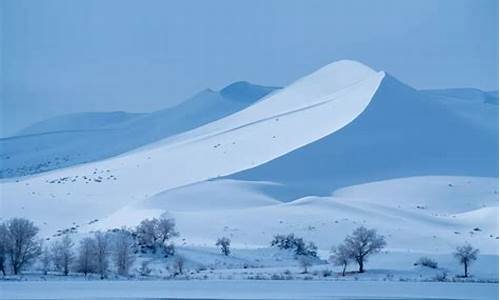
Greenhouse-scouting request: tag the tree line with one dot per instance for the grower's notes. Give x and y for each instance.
(20, 247)
(357, 247)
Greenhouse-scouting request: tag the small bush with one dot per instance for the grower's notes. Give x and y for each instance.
(441, 277)
(144, 270)
(326, 273)
(277, 277)
(426, 262)
(298, 245)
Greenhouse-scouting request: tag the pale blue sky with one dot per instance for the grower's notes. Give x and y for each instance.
(69, 56)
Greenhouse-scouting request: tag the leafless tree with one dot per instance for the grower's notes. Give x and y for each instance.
(86, 259)
(146, 233)
(341, 256)
(46, 259)
(62, 253)
(166, 230)
(123, 251)
(305, 262)
(102, 253)
(145, 270)
(466, 255)
(22, 244)
(155, 233)
(362, 243)
(298, 245)
(178, 265)
(224, 244)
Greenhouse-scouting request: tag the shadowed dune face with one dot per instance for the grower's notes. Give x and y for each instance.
(401, 133)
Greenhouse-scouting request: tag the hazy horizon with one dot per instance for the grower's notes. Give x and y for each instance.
(64, 57)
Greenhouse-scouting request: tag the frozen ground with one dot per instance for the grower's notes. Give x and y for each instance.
(245, 290)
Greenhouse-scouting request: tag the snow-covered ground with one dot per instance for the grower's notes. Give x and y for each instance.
(254, 289)
(342, 147)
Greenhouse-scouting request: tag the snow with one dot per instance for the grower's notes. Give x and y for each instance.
(81, 138)
(253, 136)
(255, 289)
(402, 133)
(342, 147)
(79, 121)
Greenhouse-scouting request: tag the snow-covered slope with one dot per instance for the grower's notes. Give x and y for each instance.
(340, 126)
(474, 106)
(401, 133)
(418, 214)
(79, 138)
(307, 110)
(79, 121)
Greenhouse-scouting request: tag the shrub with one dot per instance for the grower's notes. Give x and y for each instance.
(426, 262)
(290, 242)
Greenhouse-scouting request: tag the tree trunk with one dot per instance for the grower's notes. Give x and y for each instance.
(361, 269)
(343, 270)
(465, 270)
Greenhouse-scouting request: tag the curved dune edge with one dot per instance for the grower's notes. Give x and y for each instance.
(308, 110)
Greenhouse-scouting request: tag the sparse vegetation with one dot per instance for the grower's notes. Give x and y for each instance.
(426, 262)
(102, 248)
(124, 248)
(223, 243)
(361, 244)
(62, 254)
(341, 256)
(466, 255)
(144, 270)
(305, 263)
(178, 265)
(85, 260)
(21, 244)
(296, 244)
(114, 252)
(155, 233)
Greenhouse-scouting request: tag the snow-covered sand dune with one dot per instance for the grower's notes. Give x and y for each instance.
(85, 137)
(418, 214)
(344, 125)
(401, 133)
(307, 110)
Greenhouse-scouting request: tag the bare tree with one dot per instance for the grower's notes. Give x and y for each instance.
(224, 244)
(298, 245)
(85, 261)
(362, 243)
(154, 234)
(341, 256)
(123, 251)
(46, 260)
(102, 253)
(178, 265)
(145, 270)
(466, 255)
(3, 247)
(166, 230)
(22, 245)
(146, 233)
(62, 253)
(305, 261)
